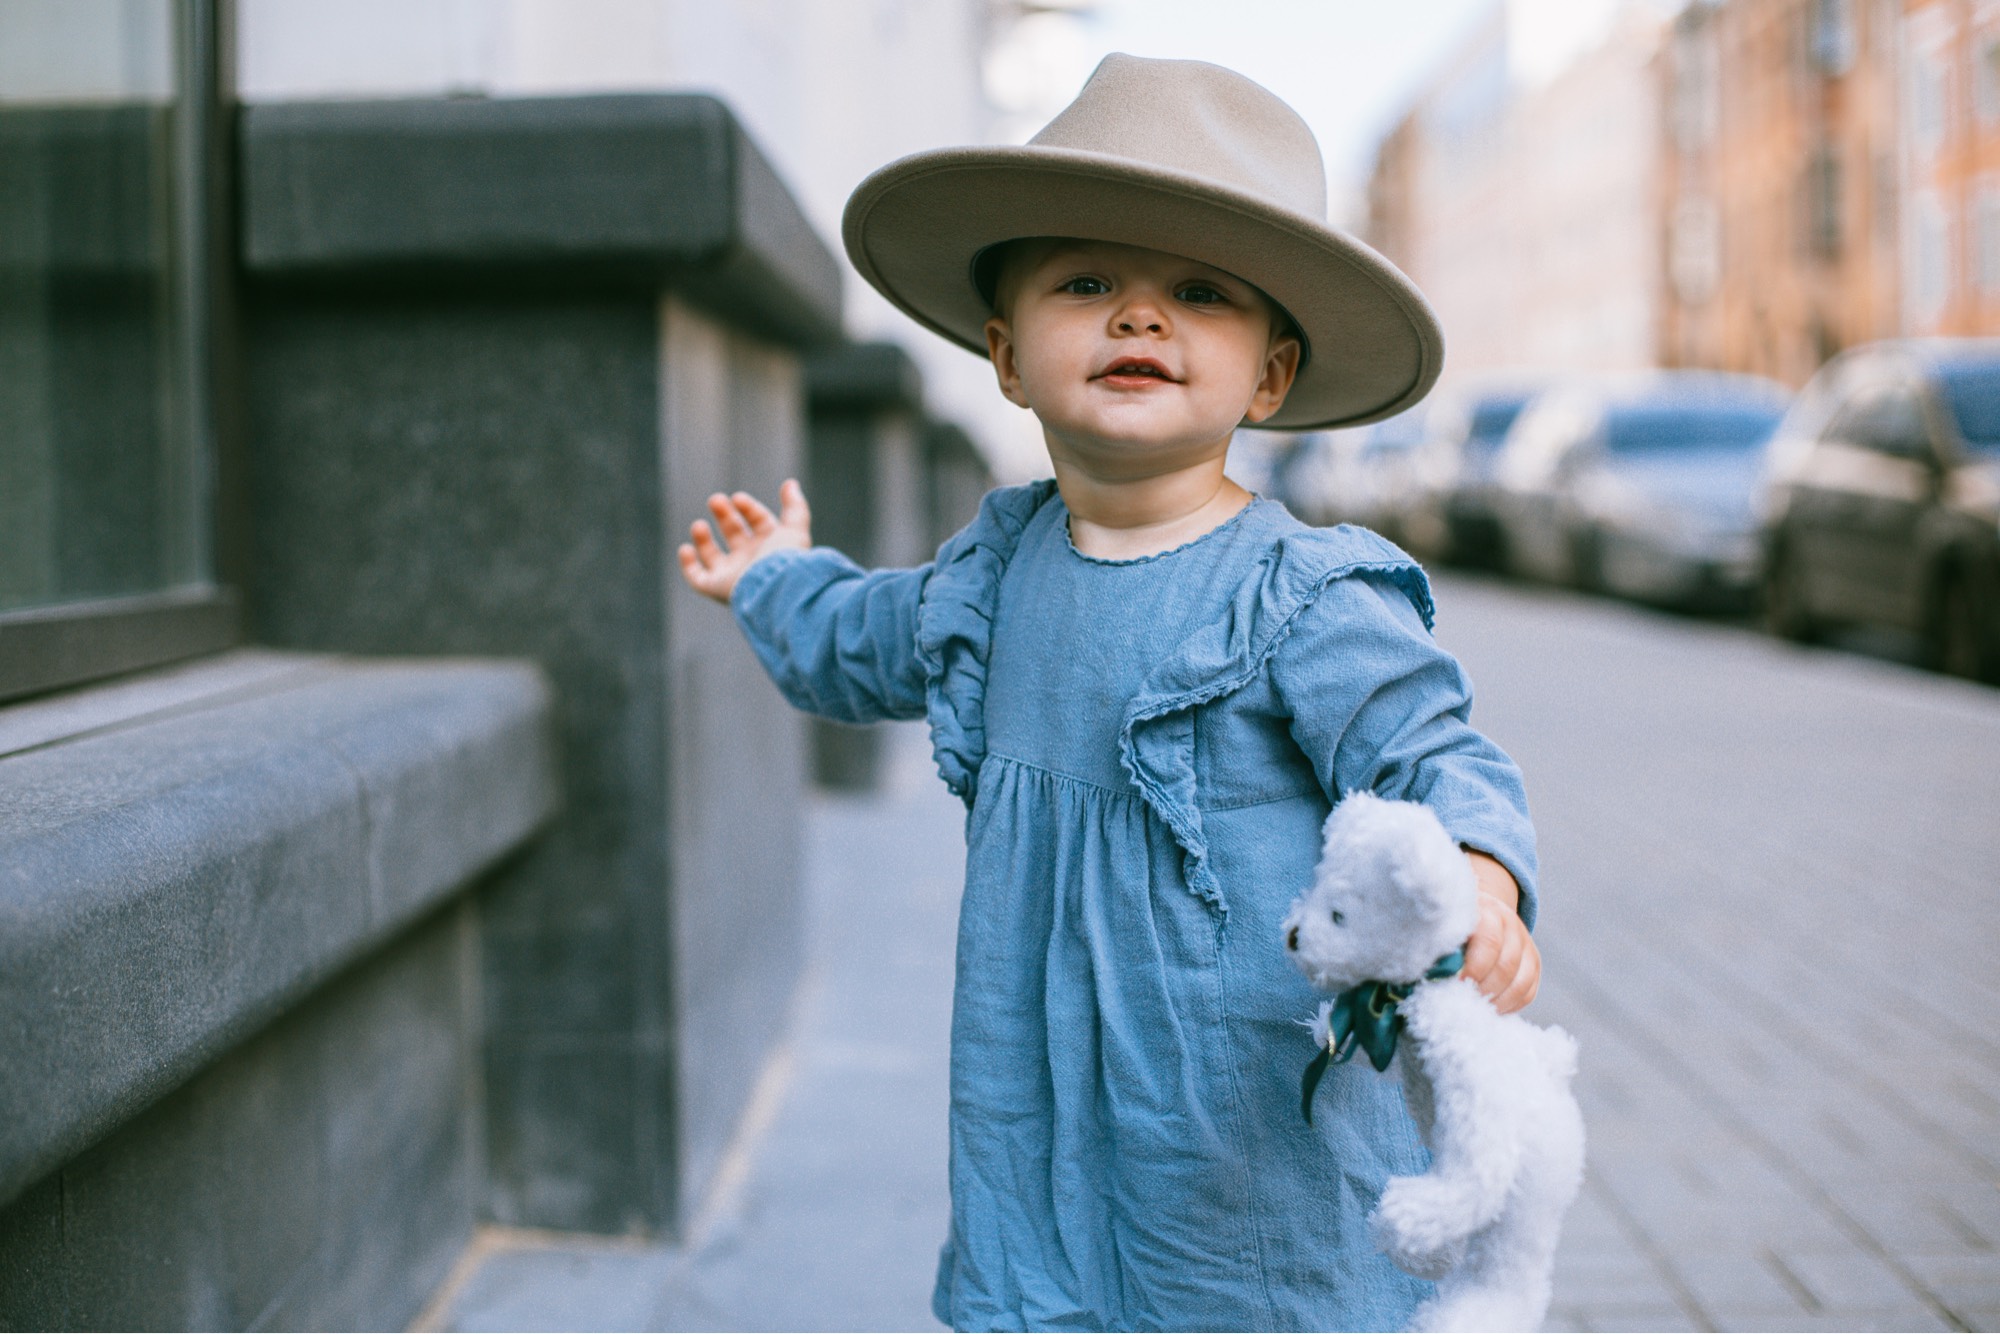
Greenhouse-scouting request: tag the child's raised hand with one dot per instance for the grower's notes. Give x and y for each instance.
(744, 532)
(1501, 957)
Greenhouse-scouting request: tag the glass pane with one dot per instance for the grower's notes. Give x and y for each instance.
(1641, 430)
(98, 469)
(1972, 391)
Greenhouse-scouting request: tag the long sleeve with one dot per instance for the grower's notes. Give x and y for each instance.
(837, 640)
(1376, 705)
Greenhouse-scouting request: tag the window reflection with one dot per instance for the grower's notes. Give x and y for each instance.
(98, 463)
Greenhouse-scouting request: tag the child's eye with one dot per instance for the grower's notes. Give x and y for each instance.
(1339, 917)
(1201, 294)
(1086, 286)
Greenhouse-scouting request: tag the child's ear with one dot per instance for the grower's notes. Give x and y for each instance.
(1281, 367)
(1000, 347)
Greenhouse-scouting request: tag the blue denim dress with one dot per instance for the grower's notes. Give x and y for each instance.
(1147, 750)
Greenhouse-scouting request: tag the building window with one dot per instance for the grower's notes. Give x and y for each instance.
(1823, 186)
(1928, 261)
(105, 448)
(1695, 250)
(1986, 235)
(1833, 36)
(1697, 85)
(1986, 76)
(1927, 87)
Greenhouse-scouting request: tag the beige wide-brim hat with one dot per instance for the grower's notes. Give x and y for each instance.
(1174, 155)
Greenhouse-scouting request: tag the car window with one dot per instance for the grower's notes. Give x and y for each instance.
(1492, 416)
(1972, 396)
(1650, 428)
(1888, 419)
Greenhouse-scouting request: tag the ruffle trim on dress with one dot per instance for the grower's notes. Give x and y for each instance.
(955, 629)
(1156, 744)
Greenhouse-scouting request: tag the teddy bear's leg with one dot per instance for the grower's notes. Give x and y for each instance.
(1475, 1147)
(1503, 1281)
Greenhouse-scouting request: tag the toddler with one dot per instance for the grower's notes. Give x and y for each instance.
(1149, 685)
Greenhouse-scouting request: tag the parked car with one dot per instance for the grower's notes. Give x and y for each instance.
(1882, 504)
(1358, 475)
(1446, 497)
(1641, 485)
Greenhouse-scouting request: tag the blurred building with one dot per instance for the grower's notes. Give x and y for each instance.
(1779, 188)
(1950, 153)
(1527, 211)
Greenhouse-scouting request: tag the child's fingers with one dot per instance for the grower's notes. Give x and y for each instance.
(793, 511)
(762, 521)
(1482, 951)
(706, 549)
(1507, 961)
(707, 582)
(1527, 982)
(728, 519)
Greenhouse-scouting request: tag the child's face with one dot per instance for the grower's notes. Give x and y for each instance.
(1135, 360)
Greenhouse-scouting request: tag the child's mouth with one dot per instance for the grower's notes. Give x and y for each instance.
(1136, 371)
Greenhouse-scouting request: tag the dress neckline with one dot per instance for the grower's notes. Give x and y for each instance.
(1228, 523)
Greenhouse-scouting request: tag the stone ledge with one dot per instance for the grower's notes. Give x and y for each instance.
(169, 885)
(873, 377)
(661, 188)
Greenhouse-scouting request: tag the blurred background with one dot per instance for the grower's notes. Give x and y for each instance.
(416, 908)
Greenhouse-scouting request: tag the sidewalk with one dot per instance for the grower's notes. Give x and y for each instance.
(1771, 921)
(833, 1201)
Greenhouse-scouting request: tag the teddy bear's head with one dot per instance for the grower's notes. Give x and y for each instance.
(1391, 896)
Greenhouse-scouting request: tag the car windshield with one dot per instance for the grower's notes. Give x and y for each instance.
(1658, 428)
(1972, 392)
(1490, 419)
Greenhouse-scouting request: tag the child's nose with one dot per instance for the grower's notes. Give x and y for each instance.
(1142, 314)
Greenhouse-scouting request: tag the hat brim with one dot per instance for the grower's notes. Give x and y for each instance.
(914, 228)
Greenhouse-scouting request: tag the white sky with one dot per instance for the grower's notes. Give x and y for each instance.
(1350, 67)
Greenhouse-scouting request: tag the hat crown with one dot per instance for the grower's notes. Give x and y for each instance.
(1199, 119)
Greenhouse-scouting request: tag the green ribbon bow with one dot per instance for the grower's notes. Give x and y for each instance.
(1365, 1017)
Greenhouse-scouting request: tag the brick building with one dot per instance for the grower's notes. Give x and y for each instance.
(1779, 183)
(1950, 179)
(1527, 211)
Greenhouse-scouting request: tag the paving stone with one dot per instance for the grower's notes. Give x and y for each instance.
(1962, 1281)
(1735, 1317)
(1610, 1317)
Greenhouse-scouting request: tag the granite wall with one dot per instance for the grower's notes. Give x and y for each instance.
(498, 353)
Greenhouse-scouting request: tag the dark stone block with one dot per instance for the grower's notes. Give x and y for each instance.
(958, 480)
(646, 191)
(167, 887)
(321, 1175)
(568, 1142)
(34, 1288)
(497, 354)
(871, 377)
(200, 1213)
(397, 1208)
(563, 978)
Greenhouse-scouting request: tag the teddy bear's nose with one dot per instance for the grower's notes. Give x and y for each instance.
(1292, 939)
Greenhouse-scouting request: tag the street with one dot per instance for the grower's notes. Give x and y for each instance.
(1768, 915)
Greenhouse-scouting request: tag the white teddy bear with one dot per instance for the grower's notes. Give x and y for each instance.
(1393, 900)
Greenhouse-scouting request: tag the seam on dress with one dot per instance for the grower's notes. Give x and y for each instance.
(1228, 523)
(1124, 793)
(1254, 802)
